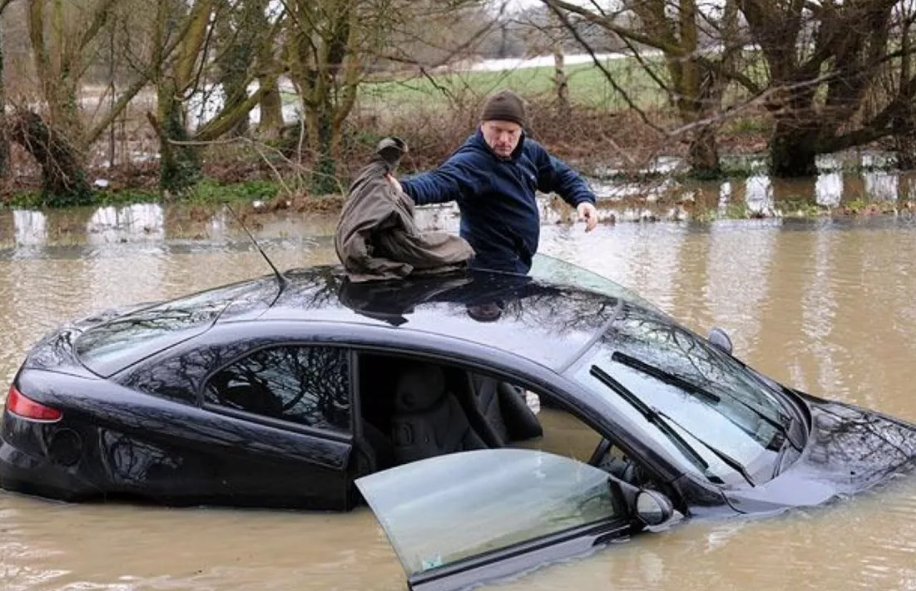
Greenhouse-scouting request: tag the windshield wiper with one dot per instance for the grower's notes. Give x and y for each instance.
(663, 376)
(673, 380)
(664, 422)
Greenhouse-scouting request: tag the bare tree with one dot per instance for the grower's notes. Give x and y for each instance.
(325, 65)
(175, 81)
(695, 77)
(332, 46)
(242, 44)
(189, 31)
(61, 34)
(823, 59)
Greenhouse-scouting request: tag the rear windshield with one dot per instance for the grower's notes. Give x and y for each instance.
(110, 347)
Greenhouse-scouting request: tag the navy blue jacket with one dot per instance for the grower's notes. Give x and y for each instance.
(500, 217)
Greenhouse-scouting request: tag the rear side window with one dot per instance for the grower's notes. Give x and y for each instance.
(306, 385)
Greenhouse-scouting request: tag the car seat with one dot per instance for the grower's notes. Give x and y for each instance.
(498, 410)
(428, 420)
(483, 409)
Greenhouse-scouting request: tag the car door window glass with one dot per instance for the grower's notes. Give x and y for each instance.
(307, 385)
(442, 510)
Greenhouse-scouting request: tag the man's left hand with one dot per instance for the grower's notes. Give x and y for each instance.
(589, 215)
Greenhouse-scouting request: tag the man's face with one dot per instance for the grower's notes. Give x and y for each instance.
(502, 136)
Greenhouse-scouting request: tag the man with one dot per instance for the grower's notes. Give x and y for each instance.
(493, 178)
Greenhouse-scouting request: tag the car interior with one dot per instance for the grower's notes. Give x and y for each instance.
(412, 410)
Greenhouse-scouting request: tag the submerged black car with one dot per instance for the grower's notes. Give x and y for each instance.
(492, 421)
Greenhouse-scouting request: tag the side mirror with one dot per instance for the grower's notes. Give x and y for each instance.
(719, 338)
(653, 508)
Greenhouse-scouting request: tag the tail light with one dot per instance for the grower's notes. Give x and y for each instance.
(25, 408)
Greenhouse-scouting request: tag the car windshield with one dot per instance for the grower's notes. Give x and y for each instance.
(713, 403)
(553, 270)
(112, 346)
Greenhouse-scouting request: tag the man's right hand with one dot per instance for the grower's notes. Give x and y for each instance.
(394, 181)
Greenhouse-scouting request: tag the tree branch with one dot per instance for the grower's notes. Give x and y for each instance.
(610, 78)
(606, 23)
(98, 21)
(160, 57)
(230, 116)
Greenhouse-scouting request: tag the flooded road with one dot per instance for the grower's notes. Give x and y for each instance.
(825, 305)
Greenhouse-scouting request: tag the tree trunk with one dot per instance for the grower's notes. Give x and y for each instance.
(703, 154)
(324, 176)
(235, 98)
(4, 131)
(63, 178)
(905, 142)
(703, 150)
(903, 125)
(561, 81)
(57, 67)
(271, 110)
(179, 165)
(233, 65)
(793, 149)
(503, 41)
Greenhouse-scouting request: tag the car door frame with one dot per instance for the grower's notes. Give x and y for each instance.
(554, 390)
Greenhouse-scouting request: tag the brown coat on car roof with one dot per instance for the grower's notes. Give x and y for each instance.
(377, 236)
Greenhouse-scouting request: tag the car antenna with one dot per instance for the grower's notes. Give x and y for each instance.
(283, 281)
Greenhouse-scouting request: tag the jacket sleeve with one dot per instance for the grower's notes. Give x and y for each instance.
(456, 179)
(555, 176)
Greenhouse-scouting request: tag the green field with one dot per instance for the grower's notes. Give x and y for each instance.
(588, 86)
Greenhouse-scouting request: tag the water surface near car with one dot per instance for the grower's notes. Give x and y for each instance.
(827, 306)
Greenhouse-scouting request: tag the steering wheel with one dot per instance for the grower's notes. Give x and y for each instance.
(601, 450)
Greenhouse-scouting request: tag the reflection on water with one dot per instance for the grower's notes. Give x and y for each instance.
(881, 186)
(826, 305)
(30, 227)
(111, 224)
(843, 181)
(828, 189)
(758, 194)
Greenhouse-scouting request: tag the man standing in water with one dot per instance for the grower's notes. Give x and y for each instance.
(493, 177)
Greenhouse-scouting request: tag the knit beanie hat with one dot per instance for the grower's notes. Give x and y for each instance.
(505, 105)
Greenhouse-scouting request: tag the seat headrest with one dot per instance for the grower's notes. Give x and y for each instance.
(419, 387)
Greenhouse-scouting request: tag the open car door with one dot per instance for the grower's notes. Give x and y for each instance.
(463, 519)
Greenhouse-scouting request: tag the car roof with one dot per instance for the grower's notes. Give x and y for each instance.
(545, 322)
(542, 317)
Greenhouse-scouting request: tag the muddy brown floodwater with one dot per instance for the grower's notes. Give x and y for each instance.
(824, 305)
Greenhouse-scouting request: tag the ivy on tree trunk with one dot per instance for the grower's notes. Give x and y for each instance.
(63, 178)
(179, 165)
